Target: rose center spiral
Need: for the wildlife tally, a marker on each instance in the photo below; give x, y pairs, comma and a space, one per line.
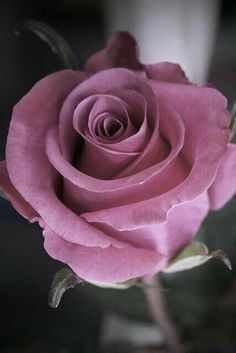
110, 126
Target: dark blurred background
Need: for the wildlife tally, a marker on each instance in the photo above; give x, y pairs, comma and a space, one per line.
202, 301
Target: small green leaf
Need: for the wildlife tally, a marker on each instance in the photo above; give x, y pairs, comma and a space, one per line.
221, 255
193, 255
120, 285
62, 281
54, 39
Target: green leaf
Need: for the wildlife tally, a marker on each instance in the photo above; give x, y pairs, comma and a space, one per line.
193, 255
62, 281
54, 39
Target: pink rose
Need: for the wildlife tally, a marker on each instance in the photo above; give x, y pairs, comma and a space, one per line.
119, 165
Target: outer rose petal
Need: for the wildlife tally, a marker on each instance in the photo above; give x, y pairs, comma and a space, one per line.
166, 71
13, 195
121, 51
29, 169
167, 238
184, 221
224, 185
104, 265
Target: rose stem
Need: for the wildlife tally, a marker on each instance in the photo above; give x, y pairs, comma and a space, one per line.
157, 306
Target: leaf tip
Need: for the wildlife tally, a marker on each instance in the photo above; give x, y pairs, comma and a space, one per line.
221, 255
63, 280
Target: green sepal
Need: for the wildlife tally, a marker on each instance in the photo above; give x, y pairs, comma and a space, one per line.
193, 255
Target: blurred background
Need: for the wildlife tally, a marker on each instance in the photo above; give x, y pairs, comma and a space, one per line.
202, 301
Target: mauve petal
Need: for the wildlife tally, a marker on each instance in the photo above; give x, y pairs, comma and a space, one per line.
183, 222
28, 165
115, 160
59, 161
13, 195
84, 193
166, 71
104, 82
86, 119
156, 150
33, 115
135, 139
87, 113
148, 212
134, 111
224, 185
102, 163
96, 158
203, 112
121, 51
72, 227
104, 265
110, 128
101, 113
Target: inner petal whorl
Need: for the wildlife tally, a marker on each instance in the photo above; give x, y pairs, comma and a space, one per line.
102, 118
110, 127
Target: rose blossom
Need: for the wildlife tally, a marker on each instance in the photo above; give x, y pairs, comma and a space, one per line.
120, 163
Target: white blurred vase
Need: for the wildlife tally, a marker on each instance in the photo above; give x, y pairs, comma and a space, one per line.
181, 31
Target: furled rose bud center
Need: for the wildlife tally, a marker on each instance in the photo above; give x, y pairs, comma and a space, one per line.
119, 133
110, 127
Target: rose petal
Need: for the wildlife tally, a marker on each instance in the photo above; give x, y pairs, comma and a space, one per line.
95, 158
104, 82
135, 114
206, 126
224, 185
13, 195
182, 224
28, 166
111, 161
166, 71
83, 192
88, 112
102, 163
59, 159
156, 150
121, 51
101, 116
92, 110
206, 121
105, 265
